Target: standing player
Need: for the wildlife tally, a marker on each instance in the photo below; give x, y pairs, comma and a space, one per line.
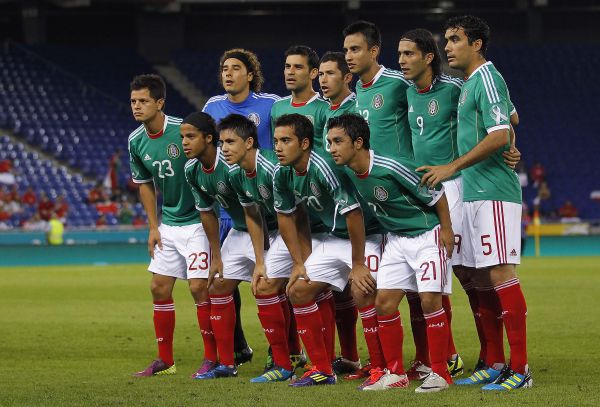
301, 69
380, 92
178, 246
414, 259
334, 80
432, 102
313, 178
492, 196
241, 76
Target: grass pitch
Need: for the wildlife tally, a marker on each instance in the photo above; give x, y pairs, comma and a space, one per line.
74, 335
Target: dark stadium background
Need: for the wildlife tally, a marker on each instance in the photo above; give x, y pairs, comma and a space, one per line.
65, 67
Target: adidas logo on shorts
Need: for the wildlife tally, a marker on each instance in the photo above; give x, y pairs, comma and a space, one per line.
513, 253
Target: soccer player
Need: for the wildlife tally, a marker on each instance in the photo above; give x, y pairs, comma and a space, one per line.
380, 92
334, 80
492, 202
432, 102
241, 76
313, 178
301, 69
178, 246
414, 259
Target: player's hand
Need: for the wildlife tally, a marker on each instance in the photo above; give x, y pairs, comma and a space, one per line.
436, 174
447, 239
260, 271
153, 241
298, 271
512, 157
215, 270
362, 278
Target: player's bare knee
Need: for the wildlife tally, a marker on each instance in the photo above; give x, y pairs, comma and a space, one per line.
199, 289
271, 288
300, 293
161, 290
431, 302
360, 299
385, 303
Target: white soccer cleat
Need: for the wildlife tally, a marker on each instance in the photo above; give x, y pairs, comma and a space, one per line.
433, 383
418, 370
389, 381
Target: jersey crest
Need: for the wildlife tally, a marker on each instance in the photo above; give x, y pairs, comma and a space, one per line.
378, 101
463, 97
380, 193
222, 188
173, 150
433, 107
254, 118
264, 191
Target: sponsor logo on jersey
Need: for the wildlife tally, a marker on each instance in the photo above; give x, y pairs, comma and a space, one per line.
378, 101
498, 114
310, 117
255, 118
410, 109
147, 158
264, 191
222, 188
433, 107
380, 193
315, 189
173, 150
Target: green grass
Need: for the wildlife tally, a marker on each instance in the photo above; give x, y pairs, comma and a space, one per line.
73, 336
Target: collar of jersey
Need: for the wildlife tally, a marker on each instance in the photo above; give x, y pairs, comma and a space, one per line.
309, 101
252, 173
366, 174
478, 68
214, 167
428, 88
243, 102
160, 133
346, 100
302, 174
375, 79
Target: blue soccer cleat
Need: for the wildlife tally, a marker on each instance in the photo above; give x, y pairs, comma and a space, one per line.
483, 376
314, 377
275, 374
511, 381
218, 372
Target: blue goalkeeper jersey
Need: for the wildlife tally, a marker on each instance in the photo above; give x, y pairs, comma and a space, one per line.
256, 107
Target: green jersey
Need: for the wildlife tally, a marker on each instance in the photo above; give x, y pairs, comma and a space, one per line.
382, 103
327, 192
432, 119
348, 105
160, 159
212, 188
484, 107
315, 109
257, 187
391, 189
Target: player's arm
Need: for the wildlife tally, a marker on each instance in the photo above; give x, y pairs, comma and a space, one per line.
148, 199
361, 276
446, 233
303, 227
255, 224
512, 156
210, 223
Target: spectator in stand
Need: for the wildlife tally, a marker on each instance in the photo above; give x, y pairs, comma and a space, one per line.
45, 207
97, 194
111, 180
56, 230
568, 210
61, 208
7, 176
126, 214
107, 206
139, 221
4, 213
29, 198
101, 222
35, 223
537, 174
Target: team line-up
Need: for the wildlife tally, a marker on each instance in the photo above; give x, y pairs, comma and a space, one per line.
337, 207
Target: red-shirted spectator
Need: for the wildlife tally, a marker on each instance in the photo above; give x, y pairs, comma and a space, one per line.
4, 213
568, 210
6, 173
45, 207
61, 207
29, 197
138, 221
107, 207
101, 222
537, 173
96, 194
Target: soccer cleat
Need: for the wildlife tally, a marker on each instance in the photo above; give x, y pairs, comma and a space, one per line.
276, 374
511, 380
456, 366
218, 372
298, 361
432, 383
205, 367
342, 365
359, 373
482, 376
157, 368
269, 364
480, 365
314, 378
374, 375
243, 356
388, 381
418, 370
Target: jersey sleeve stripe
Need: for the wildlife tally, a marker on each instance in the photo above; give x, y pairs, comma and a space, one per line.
488, 92
396, 77
135, 133
191, 162
286, 212
141, 181
492, 83
396, 170
500, 127
267, 165
407, 173
488, 82
436, 196
349, 208
327, 172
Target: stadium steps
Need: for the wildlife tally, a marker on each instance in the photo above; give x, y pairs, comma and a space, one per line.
45, 156
182, 84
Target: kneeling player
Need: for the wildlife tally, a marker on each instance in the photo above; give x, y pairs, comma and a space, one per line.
414, 259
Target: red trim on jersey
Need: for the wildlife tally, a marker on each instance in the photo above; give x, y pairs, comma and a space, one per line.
155, 136
294, 104
251, 174
363, 175
301, 173
335, 107
425, 90
209, 170
368, 84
